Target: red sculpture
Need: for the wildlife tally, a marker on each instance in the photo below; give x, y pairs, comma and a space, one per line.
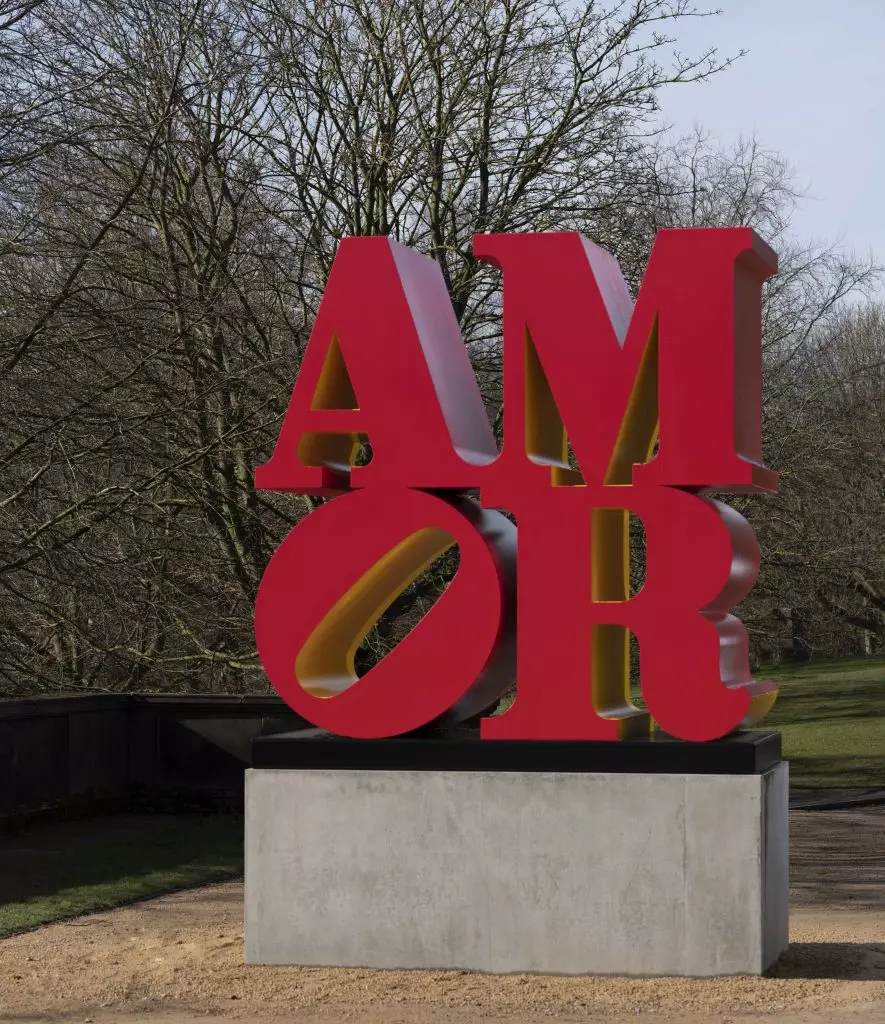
582, 364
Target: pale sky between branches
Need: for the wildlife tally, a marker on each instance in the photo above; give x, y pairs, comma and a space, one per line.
812, 88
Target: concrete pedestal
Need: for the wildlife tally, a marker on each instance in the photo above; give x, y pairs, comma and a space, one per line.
511, 871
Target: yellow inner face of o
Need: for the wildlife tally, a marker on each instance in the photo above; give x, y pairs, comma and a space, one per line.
326, 663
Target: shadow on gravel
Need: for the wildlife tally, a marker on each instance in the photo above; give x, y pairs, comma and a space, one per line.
841, 961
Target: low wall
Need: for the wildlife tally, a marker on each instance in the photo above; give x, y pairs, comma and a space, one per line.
75, 755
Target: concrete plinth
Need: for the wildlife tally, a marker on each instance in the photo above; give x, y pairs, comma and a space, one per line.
565, 873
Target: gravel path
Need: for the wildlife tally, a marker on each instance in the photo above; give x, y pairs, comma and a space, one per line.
180, 958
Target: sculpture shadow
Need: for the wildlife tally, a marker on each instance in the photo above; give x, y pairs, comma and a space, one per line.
857, 772
838, 961
817, 702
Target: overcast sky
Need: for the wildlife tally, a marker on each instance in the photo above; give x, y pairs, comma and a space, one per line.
812, 87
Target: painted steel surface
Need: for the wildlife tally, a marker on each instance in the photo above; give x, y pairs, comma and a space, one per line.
659, 403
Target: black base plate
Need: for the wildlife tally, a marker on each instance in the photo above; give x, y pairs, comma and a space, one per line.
746, 753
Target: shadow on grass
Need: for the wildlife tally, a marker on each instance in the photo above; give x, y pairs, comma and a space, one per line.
826, 701
60, 871
839, 961
830, 771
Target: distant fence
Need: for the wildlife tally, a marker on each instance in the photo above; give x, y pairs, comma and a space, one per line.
75, 755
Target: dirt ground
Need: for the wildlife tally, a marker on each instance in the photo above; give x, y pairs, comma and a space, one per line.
180, 958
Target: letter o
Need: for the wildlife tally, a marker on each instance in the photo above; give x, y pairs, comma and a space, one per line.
341, 567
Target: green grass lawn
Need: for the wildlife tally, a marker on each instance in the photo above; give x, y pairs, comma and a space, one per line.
59, 871
832, 717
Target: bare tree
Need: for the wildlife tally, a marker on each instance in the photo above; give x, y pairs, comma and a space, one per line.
174, 178
820, 298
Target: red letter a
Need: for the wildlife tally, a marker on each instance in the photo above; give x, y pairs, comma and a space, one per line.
385, 362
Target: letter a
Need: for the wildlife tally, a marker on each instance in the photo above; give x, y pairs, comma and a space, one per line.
385, 363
